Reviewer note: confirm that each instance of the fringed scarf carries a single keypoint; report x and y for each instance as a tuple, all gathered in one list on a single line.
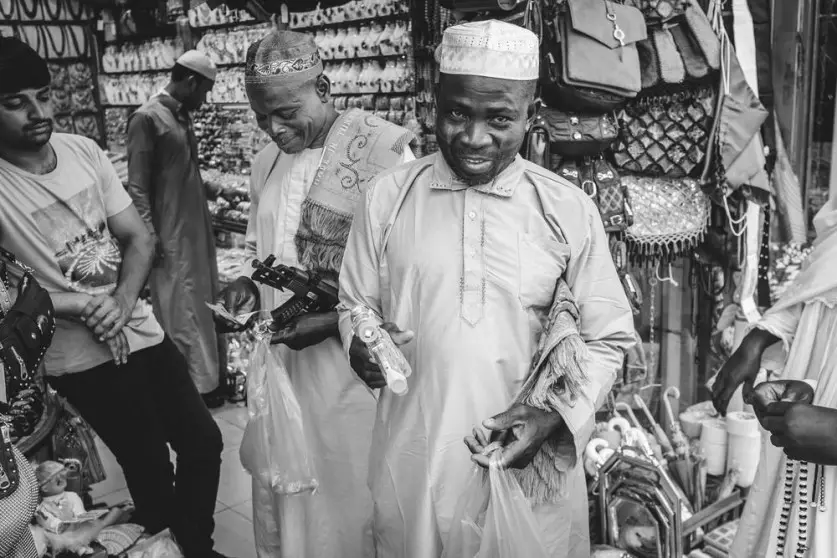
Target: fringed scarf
[(358, 147), (559, 373)]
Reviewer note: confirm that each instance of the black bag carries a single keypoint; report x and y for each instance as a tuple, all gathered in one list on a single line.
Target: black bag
[(26, 328), (576, 135)]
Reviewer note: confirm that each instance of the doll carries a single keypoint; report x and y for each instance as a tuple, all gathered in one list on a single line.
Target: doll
[(61, 514)]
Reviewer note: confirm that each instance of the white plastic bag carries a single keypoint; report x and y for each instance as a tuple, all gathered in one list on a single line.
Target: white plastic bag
[(274, 449), (494, 519)]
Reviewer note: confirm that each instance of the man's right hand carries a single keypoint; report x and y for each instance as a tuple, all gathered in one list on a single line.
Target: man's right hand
[(239, 297), (361, 360), (780, 391), (72, 306), (119, 348), (741, 368)]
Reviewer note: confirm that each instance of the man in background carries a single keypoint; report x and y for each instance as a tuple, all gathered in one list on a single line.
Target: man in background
[(64, 213), (165, 182)]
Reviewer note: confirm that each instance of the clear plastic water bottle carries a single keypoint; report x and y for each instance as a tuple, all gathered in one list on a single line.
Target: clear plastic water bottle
[(384, 351)]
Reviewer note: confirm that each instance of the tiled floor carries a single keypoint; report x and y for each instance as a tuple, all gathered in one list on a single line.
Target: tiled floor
[(233, 512)]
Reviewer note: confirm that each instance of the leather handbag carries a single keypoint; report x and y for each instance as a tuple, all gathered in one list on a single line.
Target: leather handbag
[(600, 180), (576, 135), (590, 61), (27, 327), (683, 49), (599, 46), (668, 135)]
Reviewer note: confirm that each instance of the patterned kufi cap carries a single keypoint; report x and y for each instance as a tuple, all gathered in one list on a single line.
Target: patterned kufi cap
[(282, 55), (489, 48)]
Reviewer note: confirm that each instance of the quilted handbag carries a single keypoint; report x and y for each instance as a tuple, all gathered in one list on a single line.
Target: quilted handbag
[(667, 135), (18, 500), (576, 135), (670, 217), (590, 61), (600, 180)]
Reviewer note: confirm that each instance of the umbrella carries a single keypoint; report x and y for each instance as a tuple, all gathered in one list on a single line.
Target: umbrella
[(684, 466)]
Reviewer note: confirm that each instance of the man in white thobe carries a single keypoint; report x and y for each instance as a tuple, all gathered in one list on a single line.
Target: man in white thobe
[(464, 250), (303, 190)]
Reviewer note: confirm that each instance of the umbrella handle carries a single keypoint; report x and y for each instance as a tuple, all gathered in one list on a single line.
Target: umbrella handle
[(621, 405), (655, 426), (671, 393)]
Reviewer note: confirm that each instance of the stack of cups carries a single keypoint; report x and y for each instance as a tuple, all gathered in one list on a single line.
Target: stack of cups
[(744, 446), (713, 443)]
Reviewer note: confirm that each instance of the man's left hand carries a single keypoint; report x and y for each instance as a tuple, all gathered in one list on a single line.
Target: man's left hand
[(106, 315), (805, 432), (307, 330), (522, 430)]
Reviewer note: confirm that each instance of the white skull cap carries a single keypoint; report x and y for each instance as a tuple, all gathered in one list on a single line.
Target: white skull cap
[(489, 48)]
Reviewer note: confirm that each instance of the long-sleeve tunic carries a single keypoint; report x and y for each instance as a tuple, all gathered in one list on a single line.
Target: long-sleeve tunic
[(165, 183), (472, 272)]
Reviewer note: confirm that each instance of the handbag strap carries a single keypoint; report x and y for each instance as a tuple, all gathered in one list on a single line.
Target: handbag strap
[(12, 259)]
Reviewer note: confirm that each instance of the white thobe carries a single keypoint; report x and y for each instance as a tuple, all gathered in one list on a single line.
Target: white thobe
[(472, 272), (338, 409), (808, 334)]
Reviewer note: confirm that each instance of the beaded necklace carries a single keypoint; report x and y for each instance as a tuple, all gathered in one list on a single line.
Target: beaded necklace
[(816, 503)]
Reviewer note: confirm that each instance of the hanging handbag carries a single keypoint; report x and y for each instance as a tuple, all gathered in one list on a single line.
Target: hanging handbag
[(591, 62), (738, 157), (670, 217), (576, 135), (27, 327), (683, 49), (666, 135), (26, 330), (600, 180), (660, 11)]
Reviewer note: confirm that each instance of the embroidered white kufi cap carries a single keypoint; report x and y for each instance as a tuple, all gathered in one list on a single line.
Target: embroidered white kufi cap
[(489, 48)]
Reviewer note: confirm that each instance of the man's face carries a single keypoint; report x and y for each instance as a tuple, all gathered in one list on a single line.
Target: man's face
[(481, 123), (26, 119), (200, 88), (292, 115)]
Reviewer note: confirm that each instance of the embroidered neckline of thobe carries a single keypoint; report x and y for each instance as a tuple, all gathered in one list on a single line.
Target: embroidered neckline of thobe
[(503, 185)]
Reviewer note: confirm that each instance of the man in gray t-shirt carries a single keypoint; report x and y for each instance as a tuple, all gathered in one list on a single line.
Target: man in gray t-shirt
[(64, 213)]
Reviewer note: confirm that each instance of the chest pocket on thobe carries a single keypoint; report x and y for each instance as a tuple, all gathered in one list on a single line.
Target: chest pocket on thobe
[(542, 260)]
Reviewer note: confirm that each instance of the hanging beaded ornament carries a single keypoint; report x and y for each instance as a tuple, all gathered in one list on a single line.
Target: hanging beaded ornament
[(804, 505)]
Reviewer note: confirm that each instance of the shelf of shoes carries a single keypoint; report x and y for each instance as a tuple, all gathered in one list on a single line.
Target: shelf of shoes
[(74, 100), (229, 200), (61, 32)]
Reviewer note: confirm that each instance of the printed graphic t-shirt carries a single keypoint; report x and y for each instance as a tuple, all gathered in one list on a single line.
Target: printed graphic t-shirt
[(56, 223)]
